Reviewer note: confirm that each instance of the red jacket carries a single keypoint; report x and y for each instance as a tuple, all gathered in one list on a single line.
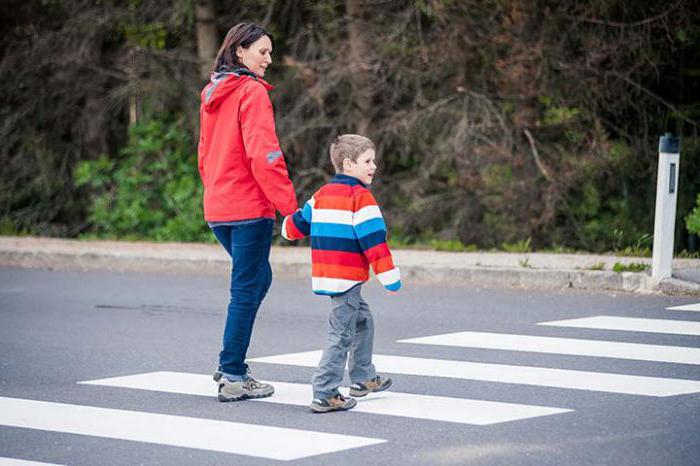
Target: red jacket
[(240, 161)]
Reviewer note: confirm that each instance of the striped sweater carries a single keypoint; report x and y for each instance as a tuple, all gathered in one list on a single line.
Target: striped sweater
[(348, 235)]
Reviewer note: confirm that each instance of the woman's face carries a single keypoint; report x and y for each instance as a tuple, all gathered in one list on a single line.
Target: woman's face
[(258, 56)]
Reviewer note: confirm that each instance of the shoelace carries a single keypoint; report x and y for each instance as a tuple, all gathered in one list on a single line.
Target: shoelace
[(251, 383)]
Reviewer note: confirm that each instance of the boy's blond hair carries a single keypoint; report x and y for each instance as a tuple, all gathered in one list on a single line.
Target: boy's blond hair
[(348, 146)]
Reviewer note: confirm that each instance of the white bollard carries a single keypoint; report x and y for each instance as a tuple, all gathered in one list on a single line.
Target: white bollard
[(665, 217)]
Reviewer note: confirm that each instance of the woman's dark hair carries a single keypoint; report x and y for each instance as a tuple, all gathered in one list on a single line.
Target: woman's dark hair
[(242, 34)]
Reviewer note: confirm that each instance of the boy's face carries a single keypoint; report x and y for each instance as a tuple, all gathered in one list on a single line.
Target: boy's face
[(363, 169)]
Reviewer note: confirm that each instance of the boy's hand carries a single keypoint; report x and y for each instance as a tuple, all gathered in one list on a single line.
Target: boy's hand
[(392, 293)]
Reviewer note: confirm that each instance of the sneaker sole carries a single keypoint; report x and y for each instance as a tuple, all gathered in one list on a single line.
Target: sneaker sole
[(360, 394), (224, 398), (320, 410)]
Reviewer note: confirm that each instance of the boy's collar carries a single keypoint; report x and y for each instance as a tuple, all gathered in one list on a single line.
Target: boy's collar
[(347, 179)]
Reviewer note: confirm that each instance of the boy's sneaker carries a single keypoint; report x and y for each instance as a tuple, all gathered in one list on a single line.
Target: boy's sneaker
[(377, 384), (335, 403), (244, 389)]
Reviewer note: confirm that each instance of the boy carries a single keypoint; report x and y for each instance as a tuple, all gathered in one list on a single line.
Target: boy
[(347, 235)]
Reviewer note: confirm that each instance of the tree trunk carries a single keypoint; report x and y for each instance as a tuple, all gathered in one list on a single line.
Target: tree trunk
[(360, 64), (94, 116), (207, 37)]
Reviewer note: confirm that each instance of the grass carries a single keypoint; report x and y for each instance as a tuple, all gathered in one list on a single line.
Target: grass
[(631, 267), (597, 266)]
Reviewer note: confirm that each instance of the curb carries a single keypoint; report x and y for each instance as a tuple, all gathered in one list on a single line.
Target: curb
[(447, 269)]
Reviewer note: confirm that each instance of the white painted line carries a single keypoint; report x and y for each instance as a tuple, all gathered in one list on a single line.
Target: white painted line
[(631, 324), (434, 408), (18, 462), (275, 443), (540, 376), (686, 307), (569, 346)]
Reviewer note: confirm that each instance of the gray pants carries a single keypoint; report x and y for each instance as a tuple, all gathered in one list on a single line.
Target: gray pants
[(350, 330)]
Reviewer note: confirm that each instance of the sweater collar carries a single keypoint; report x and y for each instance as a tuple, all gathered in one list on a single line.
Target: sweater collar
[(346, 179)]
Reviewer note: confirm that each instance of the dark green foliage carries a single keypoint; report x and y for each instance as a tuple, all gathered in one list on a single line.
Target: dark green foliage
[(498, 124)]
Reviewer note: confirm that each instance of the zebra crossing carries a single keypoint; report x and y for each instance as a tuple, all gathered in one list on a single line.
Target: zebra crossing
[(292, 443)]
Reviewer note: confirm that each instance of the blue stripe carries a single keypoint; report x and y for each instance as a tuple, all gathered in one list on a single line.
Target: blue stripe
[(372, 240), (335, 244), (370, 226), (328, 293), (396, 286), (306, 212), (300, 222), (332, 230), (346, 179)]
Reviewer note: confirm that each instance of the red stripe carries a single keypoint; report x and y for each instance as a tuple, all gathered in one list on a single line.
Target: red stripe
[(364, 199), (334, 202), (351, 259), (292, 230), (336, 189), (339, 271), (377, 252), (382, 265)]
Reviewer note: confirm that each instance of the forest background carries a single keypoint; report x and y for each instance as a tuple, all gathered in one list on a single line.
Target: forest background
[(506, 124)]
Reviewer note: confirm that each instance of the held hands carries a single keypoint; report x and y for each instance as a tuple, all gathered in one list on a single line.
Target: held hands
[(392, 293)]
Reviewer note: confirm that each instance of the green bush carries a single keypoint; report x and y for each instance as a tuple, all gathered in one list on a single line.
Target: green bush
[(692, 221), (151, 190)]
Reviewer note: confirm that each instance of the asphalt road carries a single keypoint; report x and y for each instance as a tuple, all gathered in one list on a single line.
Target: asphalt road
[(61, 328)]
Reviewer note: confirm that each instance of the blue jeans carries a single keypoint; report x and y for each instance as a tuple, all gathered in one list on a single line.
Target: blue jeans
[(251, 276)]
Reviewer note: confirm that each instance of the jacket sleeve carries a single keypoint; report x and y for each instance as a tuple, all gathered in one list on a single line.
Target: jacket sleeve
[(263, 150), (370, 230), (298, 225)]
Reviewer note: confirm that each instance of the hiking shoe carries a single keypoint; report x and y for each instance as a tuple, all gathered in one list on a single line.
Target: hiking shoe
[(334, 403), (217, 376), (243, 390), (377, 384)]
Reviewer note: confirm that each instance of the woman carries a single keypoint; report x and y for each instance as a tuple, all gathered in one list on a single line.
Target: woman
[(245, 180)]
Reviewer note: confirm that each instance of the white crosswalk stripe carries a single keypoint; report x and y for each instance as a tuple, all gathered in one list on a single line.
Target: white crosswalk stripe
[(631, 324), (686, 307), (19, 462), (206, 434), (435, 408), (570, 346), (539, 376)]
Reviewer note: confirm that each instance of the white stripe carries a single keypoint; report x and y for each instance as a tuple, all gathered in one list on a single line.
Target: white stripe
[(17, 462), (685, 307), (540, 376), (342, 217), (551, 345), (367, 213), (205, 434), (333, 285), (632, 324), (390, 276), (434, 408), (284, 227)]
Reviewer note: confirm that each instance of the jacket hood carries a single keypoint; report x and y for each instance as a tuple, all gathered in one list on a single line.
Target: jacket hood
[(224, 82)]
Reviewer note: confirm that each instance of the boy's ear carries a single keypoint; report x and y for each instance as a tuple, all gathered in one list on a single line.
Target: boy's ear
[(347, 164)]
